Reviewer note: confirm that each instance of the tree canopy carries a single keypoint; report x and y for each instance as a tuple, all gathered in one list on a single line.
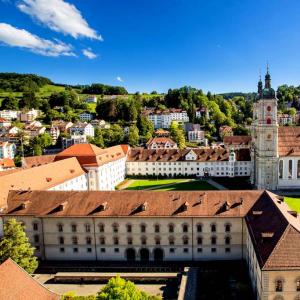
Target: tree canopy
[(15, 245)]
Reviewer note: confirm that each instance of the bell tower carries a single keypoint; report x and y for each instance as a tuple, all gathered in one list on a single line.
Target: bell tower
[(264, 131)]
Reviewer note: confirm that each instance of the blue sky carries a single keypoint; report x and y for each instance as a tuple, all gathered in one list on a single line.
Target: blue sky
[(216, 45)]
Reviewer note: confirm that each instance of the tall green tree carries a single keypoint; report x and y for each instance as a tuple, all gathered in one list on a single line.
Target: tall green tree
[(177, 135), (10, 102), (15, 245), (118, 288), (133, 136)]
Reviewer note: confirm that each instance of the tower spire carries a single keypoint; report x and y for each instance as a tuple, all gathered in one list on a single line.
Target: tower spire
[(268, 78), (259, 86)]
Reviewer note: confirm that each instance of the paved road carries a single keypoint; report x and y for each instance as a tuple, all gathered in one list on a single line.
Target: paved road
[(216, 185)]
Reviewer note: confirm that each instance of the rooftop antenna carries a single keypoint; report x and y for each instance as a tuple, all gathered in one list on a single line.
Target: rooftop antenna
[(268, 67)]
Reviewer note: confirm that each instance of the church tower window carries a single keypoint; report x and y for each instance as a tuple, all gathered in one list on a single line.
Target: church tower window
[(269, 121), (298, 169)]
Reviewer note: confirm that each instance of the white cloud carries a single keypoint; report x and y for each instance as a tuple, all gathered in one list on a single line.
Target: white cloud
[(22, 38), (120, 79), (89, 53), (59, 16)]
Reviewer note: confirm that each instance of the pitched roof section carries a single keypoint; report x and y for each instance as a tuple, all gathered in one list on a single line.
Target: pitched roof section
[(39, 178), (288, 141), (161, 141), (130, 203), (275, 233), (7, 163), (35, 161), (203, 155), (90, 155), (17, 284), (237, 140)]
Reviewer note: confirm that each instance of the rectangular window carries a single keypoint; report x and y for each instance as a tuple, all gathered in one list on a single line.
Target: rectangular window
[(62, 249), (102, 250), (213, 250), (185, 250), (172, 250), (227, 250), (117, 250), (280, 169), (199, 250), (89, 250), (290, 169), (75, 250), (298, 169)]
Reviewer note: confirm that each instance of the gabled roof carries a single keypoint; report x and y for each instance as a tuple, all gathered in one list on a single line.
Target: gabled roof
[(90, 155), (289, 141), (35, 161), (164, 155), (275, 233), (127, 203), (7, 163), (237, 140), (39, 178), (17, 284)]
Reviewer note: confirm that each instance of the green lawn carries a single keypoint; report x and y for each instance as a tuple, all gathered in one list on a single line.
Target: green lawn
[(293, 203), (179, 185), (141, 184), (189, 186)]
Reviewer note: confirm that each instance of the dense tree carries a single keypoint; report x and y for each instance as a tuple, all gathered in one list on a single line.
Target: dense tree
[(113, 136), (30, 100), (10, 102), (40, 142), (177, 135), (102, 89), (133, 136), (121, 289), (145, 126), (14, 244)]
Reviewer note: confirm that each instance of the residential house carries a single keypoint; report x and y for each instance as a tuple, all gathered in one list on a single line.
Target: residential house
[(7, 150), (82, 129)]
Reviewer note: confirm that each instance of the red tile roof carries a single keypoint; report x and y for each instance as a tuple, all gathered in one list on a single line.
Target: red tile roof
[(35, 161), (36, 178), (17, 284), (90, 155), (7, 163), (237, 140), (128, 203), (289, 141), (160, 141), (164, 155)]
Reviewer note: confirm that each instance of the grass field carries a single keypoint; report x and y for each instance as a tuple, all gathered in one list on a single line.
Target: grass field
[(164, 185), (293, 203), (141, 184)]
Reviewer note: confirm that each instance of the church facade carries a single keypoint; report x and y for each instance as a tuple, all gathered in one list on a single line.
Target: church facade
[(275, 151)]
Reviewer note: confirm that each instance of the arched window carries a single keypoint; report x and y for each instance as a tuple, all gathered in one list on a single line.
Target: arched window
[(290, 170), (115, 227), (269, 121), (102, 240), (213, 227), (171, 240), (61, 240), (297, 297), (156, 228), (227, 227), (143, 228), (171, 228), (60, 227), (199, 227), (185, 227), (298, 169), (129, 228), (281, 168), (269, 108), (185, 240), (101, 227), (88, 240), (157, 240), (73, 227), (75, 240), (298, 284), (129, 240), (278, 298), (279, 285), (87, 227), (199, 240), (116, 240), (143, 240), (227, 240), (213, 240)]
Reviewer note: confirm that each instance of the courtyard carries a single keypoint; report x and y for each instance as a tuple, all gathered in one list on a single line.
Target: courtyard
[(174, 184)]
